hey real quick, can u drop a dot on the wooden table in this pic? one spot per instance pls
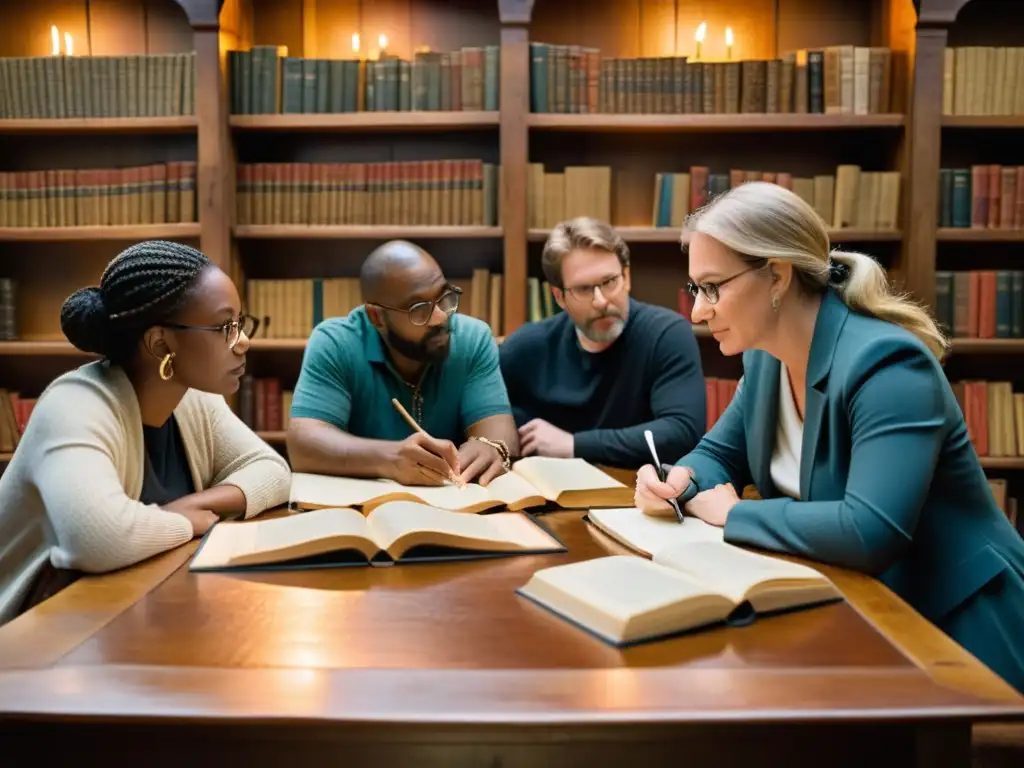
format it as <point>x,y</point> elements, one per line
<point>444,665</point>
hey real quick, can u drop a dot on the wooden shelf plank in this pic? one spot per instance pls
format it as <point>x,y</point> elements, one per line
<point>273,437</point>
<point>672,235</point>
<point>983,121</point>
<point>179,124</point>
<point>966,235</point>
<point>41,348</point>
<point>277,345</point>
<point>988,346</point>
<point>358,232</point>
<point>130,232</point>
<point>367,121</point>
<point>1001,462</point>
<point>746,123</point>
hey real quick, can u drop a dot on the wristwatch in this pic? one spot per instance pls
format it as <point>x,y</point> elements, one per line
<point>500,447</point>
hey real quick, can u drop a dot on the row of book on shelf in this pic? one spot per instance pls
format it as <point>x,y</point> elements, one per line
<point>291,308</point>
<point>981,303</point>
<point>983,80</point>
<point>148,194</point>
<point>152,85</point>
<point>982,197</point>
<point>418,192</point>
<point>834,80</point>
<point>14,413</point>
<point>262,404</point>
<point>851,197</point>
<point>994,414</point>
<point>266,80</point>
<point>8,309</point>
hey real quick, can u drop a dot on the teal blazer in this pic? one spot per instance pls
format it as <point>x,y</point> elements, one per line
<point>890,484</point>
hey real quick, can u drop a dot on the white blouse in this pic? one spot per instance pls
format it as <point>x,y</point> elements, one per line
<point>789,432</point>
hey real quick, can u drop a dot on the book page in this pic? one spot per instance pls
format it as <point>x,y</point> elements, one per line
<point>624,597</point>
<point>645,534</point>
<point>300,534</point>
<point>317,491</point>
<point>555,477</point>
<point>400,525</point>
<point>741,574</point>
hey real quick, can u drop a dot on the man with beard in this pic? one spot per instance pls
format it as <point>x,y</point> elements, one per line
<point>588,381</point>
<point>407,343</point>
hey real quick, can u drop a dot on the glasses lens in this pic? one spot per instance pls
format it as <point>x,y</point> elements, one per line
<point>248,325</point>
<point>691,288</point>
<point>711,291</point>
<point>611,287</point>
<point>419,314</point>
<point>448,303</point>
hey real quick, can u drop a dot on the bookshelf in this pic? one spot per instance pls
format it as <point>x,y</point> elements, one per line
<point>913,136</point>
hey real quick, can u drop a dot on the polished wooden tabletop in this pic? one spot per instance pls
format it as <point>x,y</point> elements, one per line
<point>436,642</point>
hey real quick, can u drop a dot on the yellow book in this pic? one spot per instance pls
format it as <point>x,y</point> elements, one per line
<point>533,482</point>
<point>397,532</point>
<point>693,580</point>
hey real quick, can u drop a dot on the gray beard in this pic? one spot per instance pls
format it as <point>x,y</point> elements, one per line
<point>603,337</point>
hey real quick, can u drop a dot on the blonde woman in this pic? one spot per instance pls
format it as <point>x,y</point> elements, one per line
<point>846,424</point>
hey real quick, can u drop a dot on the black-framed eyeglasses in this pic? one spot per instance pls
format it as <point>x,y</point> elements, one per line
<point>233,330</point>
<point>421,312</point>
<point>609,288</point>
<point>711,290</point>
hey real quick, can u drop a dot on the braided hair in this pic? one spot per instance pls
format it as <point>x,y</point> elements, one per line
<point>141,287</point>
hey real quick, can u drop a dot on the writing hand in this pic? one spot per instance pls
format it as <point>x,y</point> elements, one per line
<point>538,437</point>
<point>652,494</point>
<point>713,505</point>
<point>481,461</point>
<point>424,460</point>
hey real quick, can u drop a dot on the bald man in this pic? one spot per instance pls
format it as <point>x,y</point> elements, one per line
<point>405,342</point>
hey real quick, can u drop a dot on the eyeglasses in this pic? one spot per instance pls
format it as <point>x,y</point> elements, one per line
<point>609,288</point>
<point>421,312</point>
<point>710,290</point>
<point>233,330</point>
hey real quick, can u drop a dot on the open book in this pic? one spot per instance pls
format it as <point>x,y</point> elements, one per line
<point>397,532</point>
<point>533,481</point>
<point>693,580</point>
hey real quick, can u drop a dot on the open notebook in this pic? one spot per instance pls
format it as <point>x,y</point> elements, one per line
<point>533,481</point>
<point>396,532</point>
<point>694,579</point>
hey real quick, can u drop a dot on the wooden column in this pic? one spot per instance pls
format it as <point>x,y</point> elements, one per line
<point>514,108</point>
<point>213,187</point>
<point>925,139</point>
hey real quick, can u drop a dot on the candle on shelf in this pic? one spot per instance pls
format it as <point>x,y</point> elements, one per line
<point>68,44</point>
<point>355,42</point>
<point>728,43</point>
<point>382,41</point>
<point>699,37</point>
<point>54,41</point>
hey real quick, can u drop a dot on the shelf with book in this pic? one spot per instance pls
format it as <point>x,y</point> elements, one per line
<point>362,232</point>
<point>421,121</point>
<point>673,234</point>
<point>100,125</point>
<point>979,346</point>
<point>1002,122</point>
<point>127,233</point>
<point>967,235</point>
<point>737,123</point>
<point>40,348</point>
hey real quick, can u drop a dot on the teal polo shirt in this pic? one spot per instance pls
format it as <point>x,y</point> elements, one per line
<point>347,380</point>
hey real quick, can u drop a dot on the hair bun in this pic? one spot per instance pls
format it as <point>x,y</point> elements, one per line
<point>84,320</point>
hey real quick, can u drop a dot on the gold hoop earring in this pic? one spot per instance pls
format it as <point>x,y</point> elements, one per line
<point>166,369</point>
<point>775,303</point>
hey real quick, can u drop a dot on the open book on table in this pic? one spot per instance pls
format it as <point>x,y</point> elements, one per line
<point>693,579</point>
<point>533,481</point>
<point>396,532</point>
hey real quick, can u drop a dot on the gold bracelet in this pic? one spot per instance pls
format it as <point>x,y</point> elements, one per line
<point>500,447</point>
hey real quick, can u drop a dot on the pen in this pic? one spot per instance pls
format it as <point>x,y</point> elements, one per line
<point>662,472</point>
<point>412,423</point>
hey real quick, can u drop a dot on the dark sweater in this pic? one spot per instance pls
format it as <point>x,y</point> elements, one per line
<point>650,378</point>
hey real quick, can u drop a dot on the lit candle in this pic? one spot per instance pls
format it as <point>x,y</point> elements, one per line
<point>355,42</point>
<point>69,47</point>
<point>728,43</point>
<point>699,37</point>
<point>382,41</point>
<point>55,41</point>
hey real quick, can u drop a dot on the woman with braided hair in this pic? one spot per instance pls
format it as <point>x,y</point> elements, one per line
<point>138,452</point>
<point>845,423</point>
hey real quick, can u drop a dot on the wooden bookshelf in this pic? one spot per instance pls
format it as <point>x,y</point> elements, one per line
<point>744,123</point>
<point>963,235</point>
<point>129,233</point>
<point>1012,122</point>
<point>39,348</point>
<point>987,346</point>
<point>673,234</point>
<point>368,121</point>
<point>368,232</point>
<point>112,125</point>
<point>274,438</point>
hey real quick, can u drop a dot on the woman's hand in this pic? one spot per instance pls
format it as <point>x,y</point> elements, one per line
<point>651,494</point>
<point>713,505</point>
<point>189,507</point>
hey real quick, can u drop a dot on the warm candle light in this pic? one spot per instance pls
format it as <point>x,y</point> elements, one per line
<point>699,37</point>
<point>355,42</point>
<point>728,43</point>
<point>55,40</point>
<point>382,41</point>
<point>68,44</point>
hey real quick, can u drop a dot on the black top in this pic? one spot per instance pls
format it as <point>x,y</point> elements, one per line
<point>168,476</point>
<point>649,378</point>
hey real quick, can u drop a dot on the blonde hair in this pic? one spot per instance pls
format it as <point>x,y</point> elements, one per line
<point>759,220</point>
<point>579,234</point>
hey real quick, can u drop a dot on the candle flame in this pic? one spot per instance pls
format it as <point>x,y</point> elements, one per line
<point>728,36</point>
<point>701,31</point>
<point>55,40</point>
<point>355,42</point>
<point>382,41</point>
<point>69,45</point>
